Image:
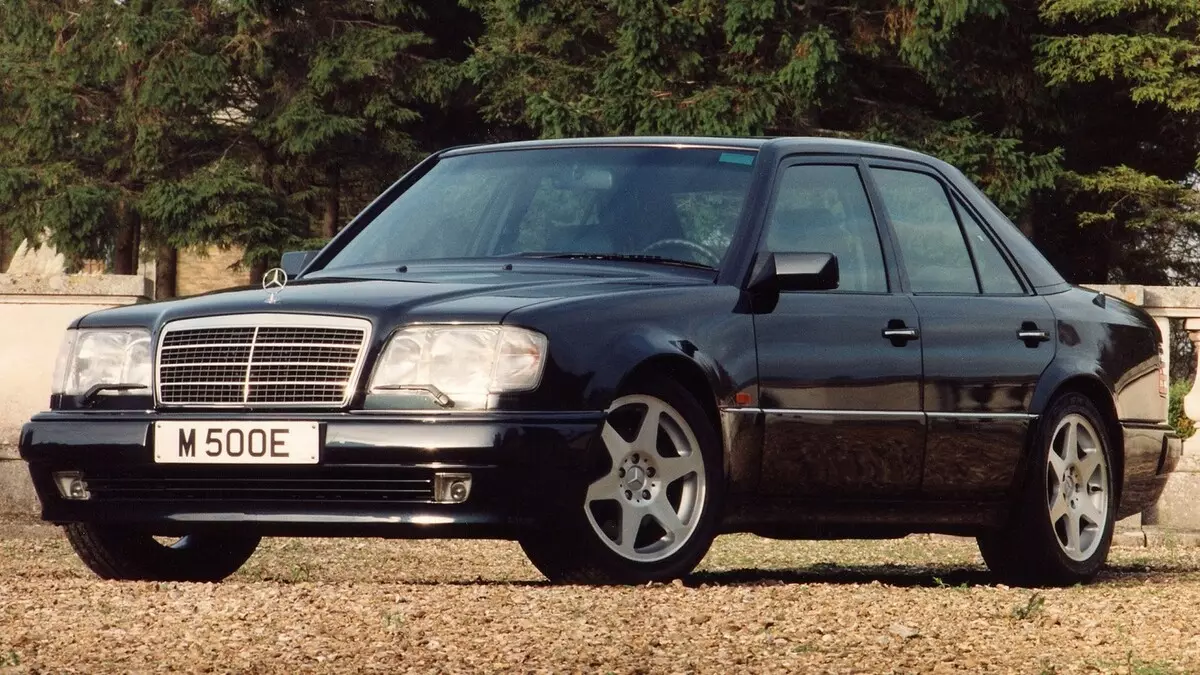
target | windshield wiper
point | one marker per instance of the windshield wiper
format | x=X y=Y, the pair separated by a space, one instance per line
x=90 y=395
x=630 y=257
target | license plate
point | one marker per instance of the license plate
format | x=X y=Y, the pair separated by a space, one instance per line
x=236 y=442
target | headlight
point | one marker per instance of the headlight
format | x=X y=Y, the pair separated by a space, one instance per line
x=103 y=357
x=463 y=362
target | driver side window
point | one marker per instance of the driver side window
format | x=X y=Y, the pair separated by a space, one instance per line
x=823 y=208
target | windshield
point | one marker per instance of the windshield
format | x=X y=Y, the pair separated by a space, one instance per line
x=667 y=204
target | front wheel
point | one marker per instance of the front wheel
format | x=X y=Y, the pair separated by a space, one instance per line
x=130 y=555
x=653 y=514
x=1063 y=523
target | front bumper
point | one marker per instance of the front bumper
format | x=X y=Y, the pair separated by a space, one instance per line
x=374 y=477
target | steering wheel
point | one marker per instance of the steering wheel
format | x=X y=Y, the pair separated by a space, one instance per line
x=707 y=256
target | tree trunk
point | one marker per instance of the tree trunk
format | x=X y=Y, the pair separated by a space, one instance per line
x=166 y=262
x=332 y=216
x=5 y=250
x=125 y=257
x=1025 y=223
x=257 y=270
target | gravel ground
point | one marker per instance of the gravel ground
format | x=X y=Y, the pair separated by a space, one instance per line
x=914 y=605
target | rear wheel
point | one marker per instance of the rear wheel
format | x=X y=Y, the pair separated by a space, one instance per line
x=1063 y=525
x=116 y=553
x=653 y=514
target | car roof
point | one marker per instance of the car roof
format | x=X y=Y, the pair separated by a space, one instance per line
x=786 y=143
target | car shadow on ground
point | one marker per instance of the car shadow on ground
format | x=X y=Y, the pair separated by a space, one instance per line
x=912 y=576
x=897 y=575
x=889 y=574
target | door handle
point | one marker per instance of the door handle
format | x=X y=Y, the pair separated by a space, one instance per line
x=899 y=334
x=1031 y=335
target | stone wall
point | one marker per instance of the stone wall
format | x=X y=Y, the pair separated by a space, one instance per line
x=1179 y=508
x=198 y=270
x=210 y=270
x=33 y=314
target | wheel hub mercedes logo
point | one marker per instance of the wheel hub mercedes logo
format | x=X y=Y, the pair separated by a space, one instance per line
x=273 y=282
x=635 y=478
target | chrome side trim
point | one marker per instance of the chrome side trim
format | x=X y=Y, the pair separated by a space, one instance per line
x=984 y=415
x=880 y=413
x=844 y=413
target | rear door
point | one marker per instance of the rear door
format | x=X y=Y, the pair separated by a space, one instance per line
x=985 y=337
x=839 y=370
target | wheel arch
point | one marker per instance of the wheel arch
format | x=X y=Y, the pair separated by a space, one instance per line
x=686 y=372
x=1102 y=397
x=640 y=353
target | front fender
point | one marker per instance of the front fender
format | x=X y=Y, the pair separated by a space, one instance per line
x=632 y=353
x=665 y=353
x=598 y=343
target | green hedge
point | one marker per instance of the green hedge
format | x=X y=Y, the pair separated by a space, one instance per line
x=1184 y=426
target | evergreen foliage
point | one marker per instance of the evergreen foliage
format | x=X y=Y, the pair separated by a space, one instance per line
x=265 y=124
x=196 y=122
x=1145 y=53
x=101 y=100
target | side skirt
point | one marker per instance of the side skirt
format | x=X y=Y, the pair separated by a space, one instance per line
x=827 y=519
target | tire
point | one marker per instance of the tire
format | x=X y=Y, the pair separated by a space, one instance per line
x=1066 y=489
x=125 y=555
x=587 y=544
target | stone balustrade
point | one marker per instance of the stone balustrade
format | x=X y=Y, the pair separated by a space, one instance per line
x=1179 y=508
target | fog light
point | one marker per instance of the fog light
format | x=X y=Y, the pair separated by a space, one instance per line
x=451 y=488
x=71 y=485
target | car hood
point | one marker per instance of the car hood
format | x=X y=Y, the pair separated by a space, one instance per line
x=470 y=293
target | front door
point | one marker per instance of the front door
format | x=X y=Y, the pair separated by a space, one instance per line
x=985 y=338
x=839 y=371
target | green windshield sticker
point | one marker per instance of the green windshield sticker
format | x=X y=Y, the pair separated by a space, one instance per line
x=736 y=158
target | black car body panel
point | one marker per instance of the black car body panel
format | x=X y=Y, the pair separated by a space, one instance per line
x=831 y=424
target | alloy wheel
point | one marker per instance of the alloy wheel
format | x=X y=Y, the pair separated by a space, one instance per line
x=1077 y=487
x=649 y=503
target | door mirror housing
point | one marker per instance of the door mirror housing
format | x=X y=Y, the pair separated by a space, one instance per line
x=795 y=272
x=294 y=262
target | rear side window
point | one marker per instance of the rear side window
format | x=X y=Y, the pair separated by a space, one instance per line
x=824 y=209
x=994 y=271
x=935 y=253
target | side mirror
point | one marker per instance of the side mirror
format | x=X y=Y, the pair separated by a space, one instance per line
x=294 y=262
x=795 y=272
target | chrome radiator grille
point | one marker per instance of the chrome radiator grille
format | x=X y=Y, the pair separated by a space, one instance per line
x=267 y=360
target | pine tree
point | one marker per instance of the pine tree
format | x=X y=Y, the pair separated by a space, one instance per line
x=974 y=82
x=338 y=95
x=1145 y=56
x=103 y=100
x=160 y=124
x=1151 y=47
x=898 y=71
x=155 y=125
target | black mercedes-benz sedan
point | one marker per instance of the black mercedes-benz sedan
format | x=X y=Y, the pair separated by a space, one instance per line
x=612 y=350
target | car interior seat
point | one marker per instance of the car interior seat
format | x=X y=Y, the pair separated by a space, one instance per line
x=636 y=218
